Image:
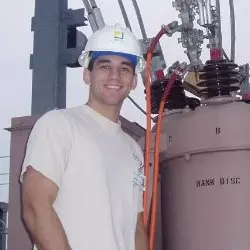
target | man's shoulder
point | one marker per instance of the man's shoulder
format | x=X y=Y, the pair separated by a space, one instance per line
x=52 y=117
x=56 y=119
x=59 y=115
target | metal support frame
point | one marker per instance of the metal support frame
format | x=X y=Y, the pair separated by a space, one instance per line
x=50 y=54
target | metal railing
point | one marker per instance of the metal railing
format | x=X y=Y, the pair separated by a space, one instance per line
x=4 y=196
x=4 y=175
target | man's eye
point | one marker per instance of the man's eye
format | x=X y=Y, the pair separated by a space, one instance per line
x=104 y=66
x=125 y=69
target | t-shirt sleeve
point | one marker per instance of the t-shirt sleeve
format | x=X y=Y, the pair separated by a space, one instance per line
x=48 y=146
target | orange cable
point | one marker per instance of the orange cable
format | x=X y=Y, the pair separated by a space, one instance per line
x=148 y=127
x=156 y=162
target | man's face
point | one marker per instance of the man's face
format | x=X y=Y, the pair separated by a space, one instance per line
x=111 y=80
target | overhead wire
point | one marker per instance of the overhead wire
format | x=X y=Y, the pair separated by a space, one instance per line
x=91 y=16
x=124 y=14
x=87 y=6
x=139 y=17
x=138 y=106
x=225 y=55
x=127 y=23
x=94 y=15
x=5 y=156
x=93 y=3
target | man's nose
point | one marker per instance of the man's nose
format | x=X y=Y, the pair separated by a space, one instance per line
x=114 y=72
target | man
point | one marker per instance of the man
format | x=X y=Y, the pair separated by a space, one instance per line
x=82 y=175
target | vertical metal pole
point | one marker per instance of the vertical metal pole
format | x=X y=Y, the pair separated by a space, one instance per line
x=232 y=21
x=50 y=39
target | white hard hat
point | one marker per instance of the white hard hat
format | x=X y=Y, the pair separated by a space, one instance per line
x=114 y=39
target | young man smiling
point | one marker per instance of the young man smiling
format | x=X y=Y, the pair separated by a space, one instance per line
x=82 y=175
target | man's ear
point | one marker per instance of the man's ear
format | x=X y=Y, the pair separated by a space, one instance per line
x=134 y=84
x=86 y=76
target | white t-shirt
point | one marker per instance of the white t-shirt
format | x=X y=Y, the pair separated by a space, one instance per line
x=99 y=171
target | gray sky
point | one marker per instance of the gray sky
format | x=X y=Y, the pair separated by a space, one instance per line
x=17 y=41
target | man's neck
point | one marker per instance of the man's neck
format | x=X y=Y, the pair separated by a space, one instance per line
x=108 y=111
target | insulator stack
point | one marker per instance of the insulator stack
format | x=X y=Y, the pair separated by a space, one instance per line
x=218 y=78
x=176 y=99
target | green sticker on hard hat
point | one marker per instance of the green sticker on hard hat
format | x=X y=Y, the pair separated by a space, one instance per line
x=118 y=35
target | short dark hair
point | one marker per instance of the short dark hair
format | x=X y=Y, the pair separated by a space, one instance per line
x=91 y=65
x=91 y=62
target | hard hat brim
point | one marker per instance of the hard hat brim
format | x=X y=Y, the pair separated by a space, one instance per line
x=85 y=58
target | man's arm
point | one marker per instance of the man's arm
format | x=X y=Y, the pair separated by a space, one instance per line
x=41 y=220
x=141 y=238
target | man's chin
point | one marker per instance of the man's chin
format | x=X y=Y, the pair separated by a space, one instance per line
x=113 y=101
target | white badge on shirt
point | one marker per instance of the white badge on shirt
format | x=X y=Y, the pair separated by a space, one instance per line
x=138 y=177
